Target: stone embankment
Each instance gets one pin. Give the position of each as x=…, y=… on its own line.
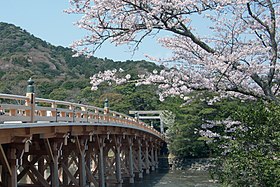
x=196, y=164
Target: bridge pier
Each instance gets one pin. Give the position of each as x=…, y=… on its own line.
x=140, y=162
x=77, y=145
x=156, y=155
x=9, y=169
x=101, y=172
x=117, y=140
x=81, y=146
x=147, y=162
x=53, y=159
x=41, y=165
x=62, y=158
x=64, y=164
x=77, y=160
x=130, y=159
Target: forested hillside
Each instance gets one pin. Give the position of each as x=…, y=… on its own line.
x=57, y=74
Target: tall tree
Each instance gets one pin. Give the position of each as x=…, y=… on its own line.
x=239, y=56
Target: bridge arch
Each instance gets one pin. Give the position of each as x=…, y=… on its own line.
x=57, y=143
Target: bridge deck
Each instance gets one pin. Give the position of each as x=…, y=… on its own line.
x=54, y=143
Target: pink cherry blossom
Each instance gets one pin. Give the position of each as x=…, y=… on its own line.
x=238, y=57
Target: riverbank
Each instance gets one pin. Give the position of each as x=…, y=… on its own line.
x=194, y=164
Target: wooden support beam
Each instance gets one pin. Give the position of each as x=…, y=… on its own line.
x=40, y=178
x=32, y=177
x=41, y=165
x=95, y=163
x=130, y=157
x=147, y=163
x=135, y=159
x=117, y=140
x=65, y=162
x=4, y=160
x=54, y=167
x=140, y=174
x=73, y=163
x=12, y=179
x=152, y=157
x=88, y=163
x=156, y=156
x=49, y=149
x=72, y=178
x=26, y=165
x=90, y=177
x=124, y=156
x=101, y=145
x=82, y=164
x=53, y=154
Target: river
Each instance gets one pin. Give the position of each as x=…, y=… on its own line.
x=174, y=178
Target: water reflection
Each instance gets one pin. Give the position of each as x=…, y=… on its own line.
x=172, y=178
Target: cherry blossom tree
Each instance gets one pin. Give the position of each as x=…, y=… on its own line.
x=239, y=56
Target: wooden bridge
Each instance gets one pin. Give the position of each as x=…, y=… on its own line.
x=54, y=143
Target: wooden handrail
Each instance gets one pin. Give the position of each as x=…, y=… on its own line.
x=13, y=97
x=73, y=112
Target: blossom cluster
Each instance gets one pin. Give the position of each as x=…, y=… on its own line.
x=239, y=57
x=108, y=76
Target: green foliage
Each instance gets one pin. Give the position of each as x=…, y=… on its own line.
x=125, y=97
x=252, y=157
x=183, y=137
x=59, y=94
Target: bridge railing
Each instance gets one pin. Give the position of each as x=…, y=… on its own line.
x=20, y=109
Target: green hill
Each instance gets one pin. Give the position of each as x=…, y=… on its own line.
x=57, y=74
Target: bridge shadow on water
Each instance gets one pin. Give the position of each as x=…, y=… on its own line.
x=165, y=177
x=152, y=179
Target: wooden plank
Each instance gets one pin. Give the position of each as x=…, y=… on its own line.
x=146, y=112
x=149, y=117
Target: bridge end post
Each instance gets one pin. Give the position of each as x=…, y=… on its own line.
x=30, y=93
x=106, y=106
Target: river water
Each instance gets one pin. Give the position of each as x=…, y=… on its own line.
x=174, y=178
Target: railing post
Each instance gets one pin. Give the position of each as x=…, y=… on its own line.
x=96, y=115
x=54, y=113
x=71, y=107
x=30, y=93
x=106, y=106
x=106, y=110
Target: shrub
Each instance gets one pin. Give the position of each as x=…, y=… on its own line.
x=252, y=155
